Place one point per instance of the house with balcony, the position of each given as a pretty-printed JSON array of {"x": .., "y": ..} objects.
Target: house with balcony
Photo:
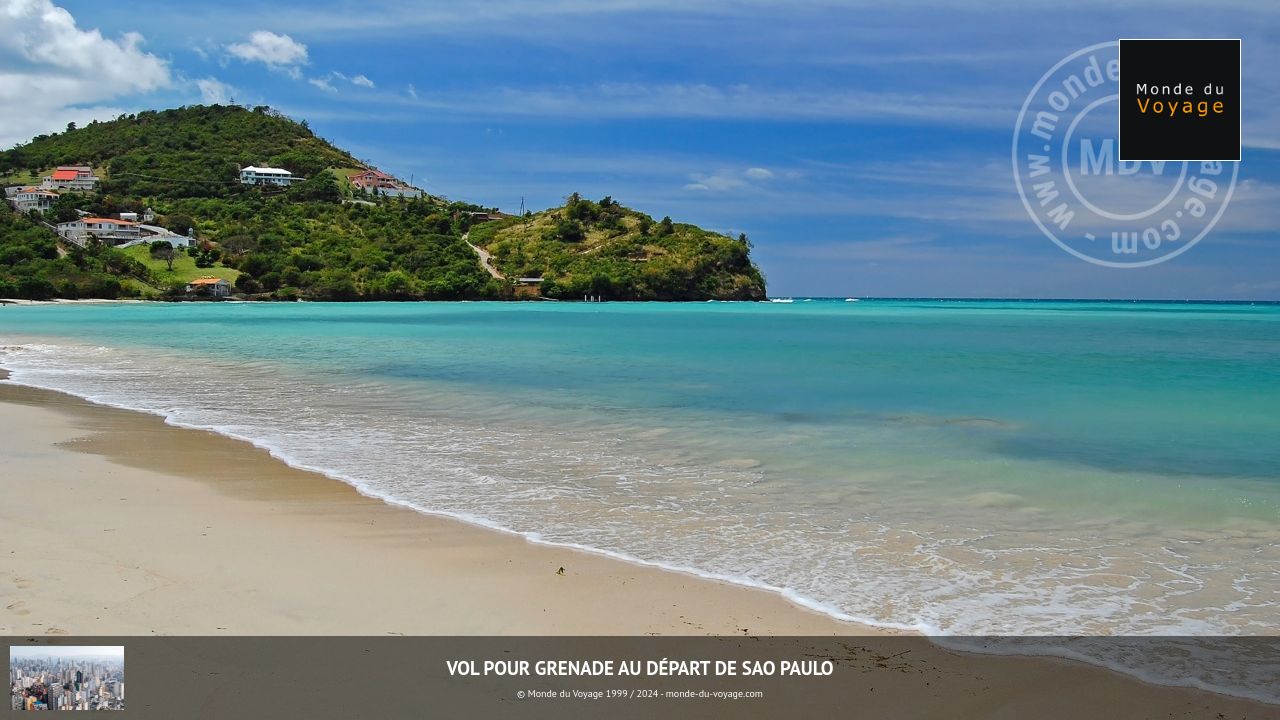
[
  {"x": 267, "y": 176},
  {"x": 27, "y": 199},
  {"x": 70, "y": 177},
  {"x": 109, "y": 231}
]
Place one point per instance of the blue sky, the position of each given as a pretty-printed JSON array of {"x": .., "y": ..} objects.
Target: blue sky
[
  {"x": 64, "y": 651},
  {"x": 863, "y": 148}
]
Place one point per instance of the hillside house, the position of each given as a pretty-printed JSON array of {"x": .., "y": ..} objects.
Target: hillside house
[
  {"x": 380, "y": 183},
  {"x": 106, "y": 230},
  {"x": 32, "y": 198},
  {"x": 267, "y": 176},
  {"x": 70, "y": 177},
  {"x": 372, "y": 179},
  {"x": 209, "y": 287}
]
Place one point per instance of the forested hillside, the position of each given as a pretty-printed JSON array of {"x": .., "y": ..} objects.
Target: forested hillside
[
  {"x": 187, "y": 152},
  {"x": 320, "y": 238}
]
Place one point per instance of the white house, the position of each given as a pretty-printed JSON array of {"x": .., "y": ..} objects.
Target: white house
[
  {"x": 71, "y": 177},
  {"x": 32, "y": 198},
  {"x": 266, "y": 176},
  {"x": 107, "y": 230},
  {"x": 212, "y": 286}
]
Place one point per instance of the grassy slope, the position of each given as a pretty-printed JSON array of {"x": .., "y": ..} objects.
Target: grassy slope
[
  {"x": 343, "y": 177},
  {"x": 21, "y": 177},
  {"x": 184, "y": 267}
]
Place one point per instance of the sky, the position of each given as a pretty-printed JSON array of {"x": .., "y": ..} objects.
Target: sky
[
  {"x": 65, "y": 651},
  {"x": 864, "y": 147}
]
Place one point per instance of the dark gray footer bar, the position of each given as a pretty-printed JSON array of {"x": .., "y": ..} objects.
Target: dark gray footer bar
[{"x": 625, "y": 677}]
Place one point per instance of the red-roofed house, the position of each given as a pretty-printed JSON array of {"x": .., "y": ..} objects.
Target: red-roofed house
[
  {"x": 376, "y": 181},
  {"x": 371, "y": 179},
  {"x": 212, "y": 286},
  {"x": 71, "y": 177},
  {"x": 32, "y": 198},
  {"x": 107, "y": 230}
]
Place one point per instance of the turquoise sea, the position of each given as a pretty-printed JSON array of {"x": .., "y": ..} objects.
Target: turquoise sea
[{"x": 953, "y": 467}]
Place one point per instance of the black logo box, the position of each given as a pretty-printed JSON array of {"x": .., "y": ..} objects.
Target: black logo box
[{"x": 1185, "y": 67}]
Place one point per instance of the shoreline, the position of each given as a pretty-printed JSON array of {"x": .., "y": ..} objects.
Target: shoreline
[
  {"x": 22, "y": 302},
  {"x": 160, "y": 548},
  {"x": 82, "y": 433}
]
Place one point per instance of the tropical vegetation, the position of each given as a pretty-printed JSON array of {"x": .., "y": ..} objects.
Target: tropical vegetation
[{"x": 322, "y": 238}]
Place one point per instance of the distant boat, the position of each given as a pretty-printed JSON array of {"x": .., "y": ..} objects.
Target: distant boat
[
  {"x": 781, "y": 300},
  {"x": 851, "y": 299}
]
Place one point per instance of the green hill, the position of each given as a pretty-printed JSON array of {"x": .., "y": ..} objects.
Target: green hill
[
  {"x": 186, "y": 152},
  {"x": 316, "y": 239},
  {"x": 602, "y": 248}
]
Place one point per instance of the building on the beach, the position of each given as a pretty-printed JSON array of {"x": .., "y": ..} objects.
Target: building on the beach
[
  {"x": 26, "y": 199},
  {"x": 110, "y": 231},
  {"x": 267, "y": 176},
  {"x": 71, "y": 177},
  {"x": 528, "y": 287},
  {"x": 209, "y": 286}
]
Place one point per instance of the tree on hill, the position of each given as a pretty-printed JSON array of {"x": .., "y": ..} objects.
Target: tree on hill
[
  {"x": 163, "y": 250},
  {"x": 179, "y": 223},
  {"x": 665, "y": 227}
]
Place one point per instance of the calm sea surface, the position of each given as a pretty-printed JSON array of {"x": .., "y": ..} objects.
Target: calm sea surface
[{"x": 1029, "y": 468}]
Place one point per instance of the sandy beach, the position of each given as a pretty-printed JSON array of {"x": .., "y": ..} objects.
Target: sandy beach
[
  {"x": 173, "y": 531},
  {"x": 118, "y": 524}
]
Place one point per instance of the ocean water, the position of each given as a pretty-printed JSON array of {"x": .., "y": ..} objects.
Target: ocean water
[{"x": 951, "y": 467}]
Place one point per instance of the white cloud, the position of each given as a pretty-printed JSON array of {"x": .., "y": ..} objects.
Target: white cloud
[
  {"x": 278, "y": 52},
  {"x": 723, "y": 180},
  {"x": 215, "y": 92},
  {"x": 52, "y": 72},
  {"x": 983, "y": 107},
  {"x": 324, "y": 84},
  {"x": 413, "y": 91}
]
